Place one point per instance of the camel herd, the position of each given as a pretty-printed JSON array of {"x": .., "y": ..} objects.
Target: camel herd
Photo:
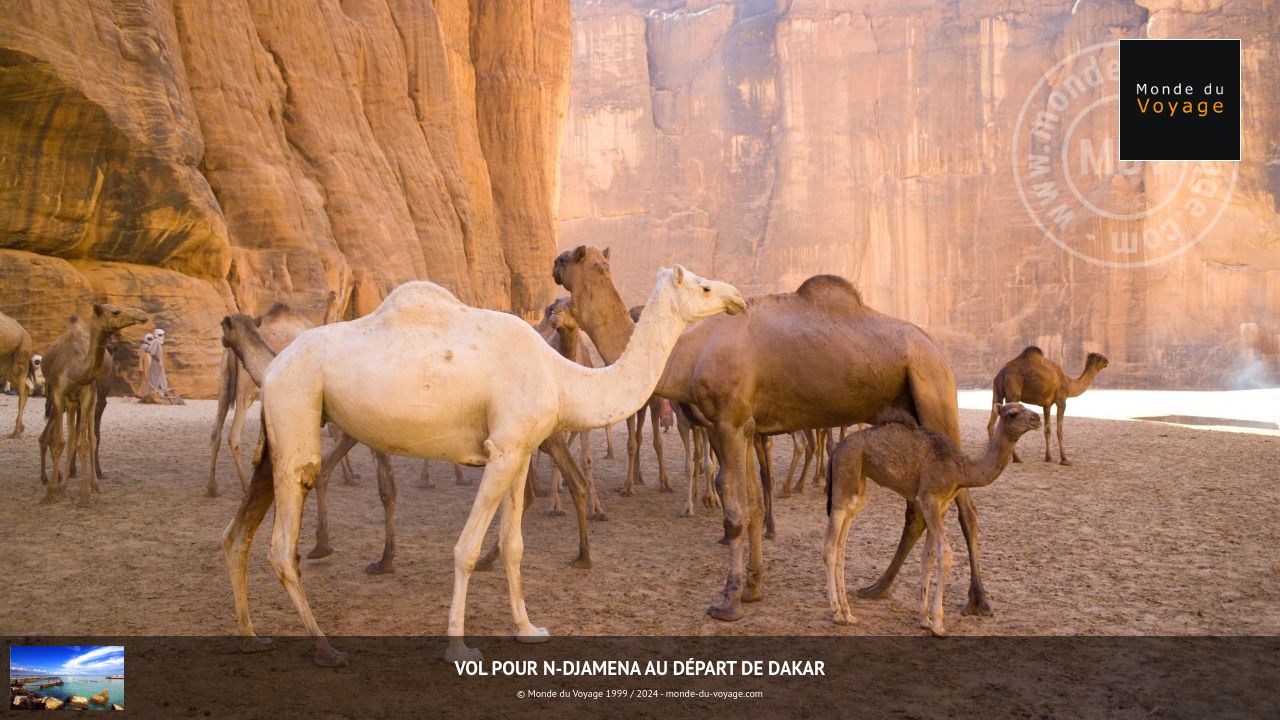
[{"x": 485, "y": 388}]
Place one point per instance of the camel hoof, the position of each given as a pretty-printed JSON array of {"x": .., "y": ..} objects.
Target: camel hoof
[
  {"x": 783, "y": 494},
  {"x": 1017, "y": 459},
  {"x": 14, "y": 435},
  {"x": 688, "y": 513},
  {"x": 770, "y": 534},
  {"x": 83, "y": 503},
  {"x": 626, "y": 492},
  {"x": 211, "y": 493},
  {"x": 49, "y": 499},
  {"x": 382, "y": 567},
  {"x": 873, "y": 592},
  {"x": 937, "y": 629},
  {"x": 427, "y": 485},
  {"x": 598, "y": 517},
  {"x": 724, "y": 540},
  {"x": 752, "y": 593},
  {"x": 321, "y": 550},
  {"x": 555, "y": 513},
  {"x": 726, "y": 612},
  {"x": 842, "y": 617},
  {"x": 666, "y": 489},
  {"x": 463, "y": 482},
  {"x": 581, "y": 563},
  {"x": 1065, "y": 462},
  {"x": 328, "y": 657},
  {"x": 980, "y": 608},
  {"x": 256, "y": 644},
  {"x": 461, "y": 653},
  {"x": 531, "y": 635}
]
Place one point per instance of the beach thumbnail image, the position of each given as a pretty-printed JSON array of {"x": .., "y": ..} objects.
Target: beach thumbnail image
[{"x": 73, "y": 677}]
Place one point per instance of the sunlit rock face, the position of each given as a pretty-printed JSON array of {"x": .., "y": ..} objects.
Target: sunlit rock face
[
  {"x": 763, "y": 142},
  {"x": 193, "y": 158}
]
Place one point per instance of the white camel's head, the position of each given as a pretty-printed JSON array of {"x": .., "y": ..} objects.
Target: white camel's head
[{"x": 697, "y": 297}]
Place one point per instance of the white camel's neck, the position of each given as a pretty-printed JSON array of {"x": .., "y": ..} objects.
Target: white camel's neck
[{"x": 592, "y": 398}]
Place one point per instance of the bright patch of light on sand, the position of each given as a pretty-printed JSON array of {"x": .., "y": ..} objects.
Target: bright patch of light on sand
[{"x": 1251, "y": 406}]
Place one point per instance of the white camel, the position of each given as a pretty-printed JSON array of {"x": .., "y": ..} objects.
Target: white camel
[{"x": 471, "y": 386}]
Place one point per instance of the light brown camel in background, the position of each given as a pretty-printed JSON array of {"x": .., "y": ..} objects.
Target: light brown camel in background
[
  {"x": 278, "y": 327},
  {"x": 240, "y": 335},
  {"x": 15, "y": 364},
  {"x": 815, "y": 358},
  {"x": 700, "y": 464},
  {"x": 1034, "y": 379},
  {"x": 73, "y": 367},
  {"x": 927, "y": 469},
  {"x": 424, "y": 479},
  {"x": 568, "y": 341},
  {"x": 468, "y": 385},
  {"x": 105, "y": 383}
]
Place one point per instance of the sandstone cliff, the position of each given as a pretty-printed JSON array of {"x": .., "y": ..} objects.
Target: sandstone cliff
[
  {"x": 763, "y": 141},
  {"x": 192, "y": 158}
]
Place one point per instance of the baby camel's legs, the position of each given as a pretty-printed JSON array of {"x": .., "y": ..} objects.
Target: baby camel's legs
[
  {"x": 935, "y": 562},
  {"x": 848, "y": 497}
]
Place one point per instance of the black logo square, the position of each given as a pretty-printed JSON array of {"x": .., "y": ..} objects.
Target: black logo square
[{"x": 1179, "y": 100}]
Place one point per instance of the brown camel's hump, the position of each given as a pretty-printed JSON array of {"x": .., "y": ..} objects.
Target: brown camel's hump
[
  {"x": 831, "y": 291},
  {"x": 1030, "y": 350},
  {"x": 275, "y": 311}
]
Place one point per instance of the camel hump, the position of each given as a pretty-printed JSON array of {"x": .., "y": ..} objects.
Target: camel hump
[
  {"x": 831, "y": 291},
  {"x": 420, "y": 299},
  {"x": 276, "y": 309},
  {"x": 1031, "y": 350},
  {"x": 898, "y": 416}
]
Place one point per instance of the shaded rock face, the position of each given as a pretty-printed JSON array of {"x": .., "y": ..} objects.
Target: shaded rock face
[
  {"x": 763, "y": 142},
  {"x": 194, "y": 159}
]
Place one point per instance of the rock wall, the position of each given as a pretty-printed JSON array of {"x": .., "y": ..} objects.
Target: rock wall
[
  {"x": 194, "y": 158},
  {"x": 763, "y": 141}
]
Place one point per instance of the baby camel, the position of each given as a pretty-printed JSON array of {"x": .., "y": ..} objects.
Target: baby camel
[{"x": 927, "y": 469}]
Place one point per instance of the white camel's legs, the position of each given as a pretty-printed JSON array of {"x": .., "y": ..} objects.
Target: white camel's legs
[
  {"x": 236, "y": 540},
  {"x": 512, "y": 552},
  {"x": 501, "y": 474},
  {"x": 295, "y": 473}
]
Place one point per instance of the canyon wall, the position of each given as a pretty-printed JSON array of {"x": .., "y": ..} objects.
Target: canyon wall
[
  {"x": 763, "y": 141},
  {"x": 194, "y": 158}
]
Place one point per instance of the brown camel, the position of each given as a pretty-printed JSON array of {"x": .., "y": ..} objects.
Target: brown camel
[
  {"x": 567, "y": 338},
  {"x": 815, "y": 358},
  {"x": 278, "y": 327},
  {"x": 15, "y": 364},
  {"x": 927, "y": 469},
  {"x": 104, "y": 390},
  {"x": 73, "y": 366},
  {"x": 241, "y": 336},
  {"x": 1034, "y": 379}
]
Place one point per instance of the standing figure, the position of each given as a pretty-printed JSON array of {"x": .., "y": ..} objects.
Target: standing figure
[{"x": 144, "y": 364}]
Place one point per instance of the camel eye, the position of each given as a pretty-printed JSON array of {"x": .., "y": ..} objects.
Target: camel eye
[{"x": 706, "y": 289}]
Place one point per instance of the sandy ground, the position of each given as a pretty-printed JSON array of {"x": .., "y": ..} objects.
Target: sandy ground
[{"x": 1156, "y": 530}]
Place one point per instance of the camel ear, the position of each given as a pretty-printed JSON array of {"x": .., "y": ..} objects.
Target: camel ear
[
  {"x": 98, "y": 309},
  {"x": 996, "y": 407},
  {"x": 579, "y": 253},
  {"x": 606, "y": 253},
  {"x": 677, "y": 274}
]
